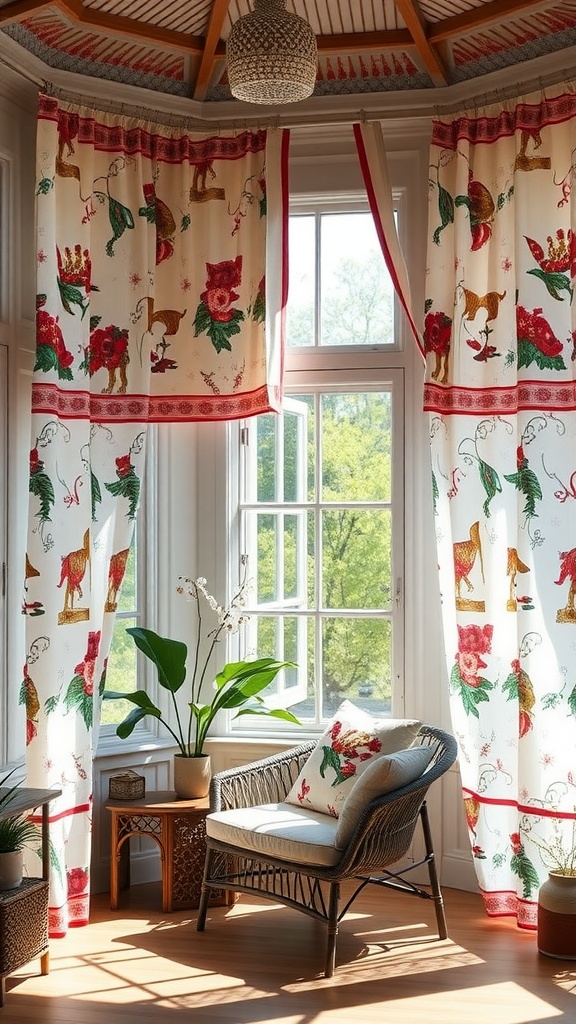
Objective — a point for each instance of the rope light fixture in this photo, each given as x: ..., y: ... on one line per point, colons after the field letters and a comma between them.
x: 271, y: 55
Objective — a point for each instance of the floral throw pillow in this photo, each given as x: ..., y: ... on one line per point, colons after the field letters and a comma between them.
x: 351, y: 742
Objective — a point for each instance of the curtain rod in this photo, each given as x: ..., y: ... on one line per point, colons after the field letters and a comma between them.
x: 511, y: 92
x: 175, y: 119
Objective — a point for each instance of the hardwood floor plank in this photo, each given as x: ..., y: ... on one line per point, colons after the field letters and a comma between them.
x: 259, y: 963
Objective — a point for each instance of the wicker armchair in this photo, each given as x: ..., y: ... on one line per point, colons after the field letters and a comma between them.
x: 382, y: 836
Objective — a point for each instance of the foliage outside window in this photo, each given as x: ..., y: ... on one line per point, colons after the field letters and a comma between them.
x: 320, y: 504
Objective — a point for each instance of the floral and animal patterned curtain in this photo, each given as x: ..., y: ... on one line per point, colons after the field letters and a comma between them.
x: 374, y: 167
x: 161, y: 285
x: 500, y: 344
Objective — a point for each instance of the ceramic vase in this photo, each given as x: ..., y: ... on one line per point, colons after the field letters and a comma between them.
x: 557, y: 916
x: 192, y: 776
x: 11, y: 869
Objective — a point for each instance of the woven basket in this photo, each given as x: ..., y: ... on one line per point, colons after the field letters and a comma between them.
x: 127, y: 786
x: 23, y: 924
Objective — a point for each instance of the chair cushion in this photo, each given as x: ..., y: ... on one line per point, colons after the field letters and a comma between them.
x: 387, y: 773
x: 278, y: 830
x: 351, y: 741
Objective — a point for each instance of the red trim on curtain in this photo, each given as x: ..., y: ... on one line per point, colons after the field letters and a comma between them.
x: 380, y: 232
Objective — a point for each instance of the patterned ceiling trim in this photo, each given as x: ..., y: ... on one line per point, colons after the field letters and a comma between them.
x: 356, y: 74
x: 63, y: 46
x: 514, y: 43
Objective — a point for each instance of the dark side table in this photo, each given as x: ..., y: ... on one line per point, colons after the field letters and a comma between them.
x: 179, y: 829
x: 24, y: 910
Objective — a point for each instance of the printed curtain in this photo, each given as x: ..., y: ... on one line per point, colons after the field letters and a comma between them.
x: 374, y: 167
x: 161, y: 285
x: 500, y: 388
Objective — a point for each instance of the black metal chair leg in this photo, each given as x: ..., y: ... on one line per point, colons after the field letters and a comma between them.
x: 433, y: 874
x: 204, y: 894
x: 332, y: 929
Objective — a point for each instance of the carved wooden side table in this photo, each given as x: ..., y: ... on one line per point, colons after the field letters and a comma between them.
x: 179, y: 829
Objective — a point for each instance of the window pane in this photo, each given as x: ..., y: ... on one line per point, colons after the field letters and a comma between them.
x: 281, y: 550
x: 121, y: 673
x: 356, y: 446
x: 127, y: 596
x: 357, y: 664
x: 356, y: 292
x: 300, y: 327
x: 266, y: 457
x: 356, y: 568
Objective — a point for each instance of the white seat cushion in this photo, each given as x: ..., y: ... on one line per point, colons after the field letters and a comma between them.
x: 351, y: 741
x: 278, y: 830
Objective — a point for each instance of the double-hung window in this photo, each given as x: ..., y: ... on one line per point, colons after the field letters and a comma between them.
x: 318, y: 519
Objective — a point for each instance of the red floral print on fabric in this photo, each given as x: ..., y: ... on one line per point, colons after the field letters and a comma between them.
x: 215, y: 314
x: 51, y: 352
x: 74, y: 276
x: 537, y: 342
x: 561, y: 257
x: 473, y: 641
x: 107, y: 348
x: 80, y: 692
x: 345, y: 748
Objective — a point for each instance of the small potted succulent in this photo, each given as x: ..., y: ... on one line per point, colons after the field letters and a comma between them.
x: 16, y: 833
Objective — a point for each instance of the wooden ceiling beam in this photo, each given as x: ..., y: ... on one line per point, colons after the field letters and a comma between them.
x: 22, y: 9
x: 114, y: 24
x: 420, y: 34
x: 213, y: 33
x: 481, y: 17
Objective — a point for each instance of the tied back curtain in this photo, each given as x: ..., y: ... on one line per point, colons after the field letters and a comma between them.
x: 156, y: 302
x: 500, y: 344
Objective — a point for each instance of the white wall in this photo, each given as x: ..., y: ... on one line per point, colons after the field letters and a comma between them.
x: 317, y: 158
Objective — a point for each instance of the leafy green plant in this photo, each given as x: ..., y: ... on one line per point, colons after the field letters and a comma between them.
x: 237, y: 686
x: 17, y: 831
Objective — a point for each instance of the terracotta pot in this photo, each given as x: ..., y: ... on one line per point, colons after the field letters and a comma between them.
x: 192, y: 776
x: 557, y: 916
x: 11, y: 869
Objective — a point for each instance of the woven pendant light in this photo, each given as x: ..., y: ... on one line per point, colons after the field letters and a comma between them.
x: 271, y: 55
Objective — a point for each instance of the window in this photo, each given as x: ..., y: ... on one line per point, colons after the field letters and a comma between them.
x: 320, y: 497
x: 340, y: 292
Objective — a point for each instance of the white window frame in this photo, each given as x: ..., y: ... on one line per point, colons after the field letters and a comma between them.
x: 323, y: 367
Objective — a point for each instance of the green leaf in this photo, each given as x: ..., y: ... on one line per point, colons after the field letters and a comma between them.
x: 446, y: 211
x: 529, y: 353
x: 202, y: 320
x: 572, y: 702
x: 169, y: 656
x: 46, y: 358
x: 527, y: 482
x: 554, y: 282
x: 71, y: 296
x: 330, y: 759
x: 491, y: 483
x: 149, y: 212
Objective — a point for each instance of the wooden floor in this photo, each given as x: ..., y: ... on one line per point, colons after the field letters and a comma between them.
x: 259, y: 963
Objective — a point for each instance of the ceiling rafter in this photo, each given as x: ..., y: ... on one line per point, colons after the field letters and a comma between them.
x: 214, y: 31
x: 480, y: 17
x: 115, y: 24
x: 418, y: 30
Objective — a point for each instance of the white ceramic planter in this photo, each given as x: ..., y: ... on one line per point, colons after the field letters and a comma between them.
x: 192, y: 776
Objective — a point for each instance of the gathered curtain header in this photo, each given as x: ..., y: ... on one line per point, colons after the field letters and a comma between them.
x: 161, y: 271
